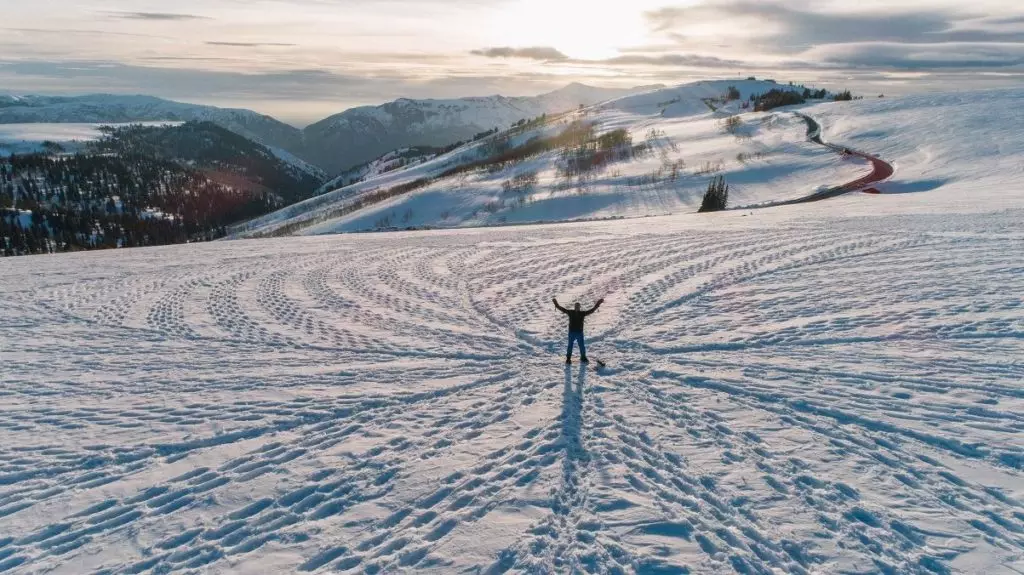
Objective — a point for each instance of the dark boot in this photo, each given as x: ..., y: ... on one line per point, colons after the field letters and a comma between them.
x: 568, y: 360
x: 584, y: 359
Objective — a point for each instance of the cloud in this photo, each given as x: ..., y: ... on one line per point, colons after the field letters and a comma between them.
x: 676, y: 60
x: 541, y: 53
x: 157, y: 16
x: 898, y: 56
x: 248, y: 44
x: 180, y: 82
x: 66, y: 31
x: 548, y: 54
x: 996, y: 26
x: 299, y: 95
x: 789, y: 30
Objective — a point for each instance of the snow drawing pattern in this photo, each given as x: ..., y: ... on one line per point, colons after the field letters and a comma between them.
x: 821, y: 397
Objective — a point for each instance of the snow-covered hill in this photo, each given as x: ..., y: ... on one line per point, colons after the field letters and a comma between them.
x: 788, y: 391
x: 108, y: 108
x: 685, y: 142
x: 963, y: 149
x: 950, y: 145
x: 297, y: 164
x: 362, y: 134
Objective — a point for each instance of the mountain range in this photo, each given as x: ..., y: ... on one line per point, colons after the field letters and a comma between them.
x: 334, y: 144
x: 109, y: 108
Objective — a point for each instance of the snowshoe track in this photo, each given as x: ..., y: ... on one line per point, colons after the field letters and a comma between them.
x: 805, y: 399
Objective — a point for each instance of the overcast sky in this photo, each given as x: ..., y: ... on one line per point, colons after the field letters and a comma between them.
x: 301, y: 60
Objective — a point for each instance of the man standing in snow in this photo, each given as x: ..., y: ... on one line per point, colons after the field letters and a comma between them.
x: 576, y: 317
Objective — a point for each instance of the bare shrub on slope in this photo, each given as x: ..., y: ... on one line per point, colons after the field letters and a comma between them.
x: 708, y: 167
x: 732, y: 124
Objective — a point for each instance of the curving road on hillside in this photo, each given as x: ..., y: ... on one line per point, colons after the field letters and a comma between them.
x: 880, y: 170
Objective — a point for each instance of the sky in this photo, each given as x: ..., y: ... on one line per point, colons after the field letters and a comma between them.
x: 301, y: 60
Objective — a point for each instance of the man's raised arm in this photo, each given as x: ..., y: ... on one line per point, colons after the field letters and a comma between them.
x: 560, y: 308
x: 593, y: 309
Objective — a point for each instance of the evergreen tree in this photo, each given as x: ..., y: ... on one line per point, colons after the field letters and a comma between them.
x: 716, y: 198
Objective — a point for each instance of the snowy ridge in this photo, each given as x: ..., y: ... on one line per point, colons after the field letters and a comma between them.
x: 108, y: 108
x: 337, y: 143
x: 767, y: 159
x: 480, y: 112
x: 362, y: 134
x: 393, y: 160
x: 396, y: 403
x: 297, y: 164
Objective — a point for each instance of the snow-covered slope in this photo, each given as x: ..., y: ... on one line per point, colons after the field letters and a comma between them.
x: 788, y: 391
x: 108, y: 108
x: 362, y: 134
x: 833, y: 387
x: 952, y: 146
x: 299, y: 165
x: 964, y: 149
x: 393, y: 160
x: 765, y: 158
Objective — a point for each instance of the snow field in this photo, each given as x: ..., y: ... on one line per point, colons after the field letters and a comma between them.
x: 793, y: 396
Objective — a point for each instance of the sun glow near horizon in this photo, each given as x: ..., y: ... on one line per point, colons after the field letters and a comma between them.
x: 304, y: 59
x: 580, y: 30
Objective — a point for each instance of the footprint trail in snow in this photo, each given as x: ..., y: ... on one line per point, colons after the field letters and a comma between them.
x: 817, y: 398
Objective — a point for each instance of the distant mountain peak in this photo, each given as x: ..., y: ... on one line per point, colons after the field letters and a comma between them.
x: 125, y: 108
x: 336, y: 143
x: 359, y: 135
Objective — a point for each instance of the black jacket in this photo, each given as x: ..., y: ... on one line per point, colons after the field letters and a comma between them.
x: 576, y: 317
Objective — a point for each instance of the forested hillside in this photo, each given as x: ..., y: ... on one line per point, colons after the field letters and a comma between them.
x: 215, y: 149
x: 142, y: 186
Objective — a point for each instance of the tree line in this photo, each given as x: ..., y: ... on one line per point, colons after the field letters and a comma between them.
x: 141, y: 186
x: 95, y: 201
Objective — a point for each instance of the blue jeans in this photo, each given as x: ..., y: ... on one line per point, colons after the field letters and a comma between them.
x: 576, y: 336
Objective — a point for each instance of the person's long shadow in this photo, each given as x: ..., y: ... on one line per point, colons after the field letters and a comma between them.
x: 572, y: 433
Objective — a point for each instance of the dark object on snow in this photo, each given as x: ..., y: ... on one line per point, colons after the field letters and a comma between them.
x: 716, y: 197
x: 577, y: 315
x: 576, y: 319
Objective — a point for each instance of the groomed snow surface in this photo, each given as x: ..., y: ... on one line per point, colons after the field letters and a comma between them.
x: 824, y: 388
x: 786, y: 393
